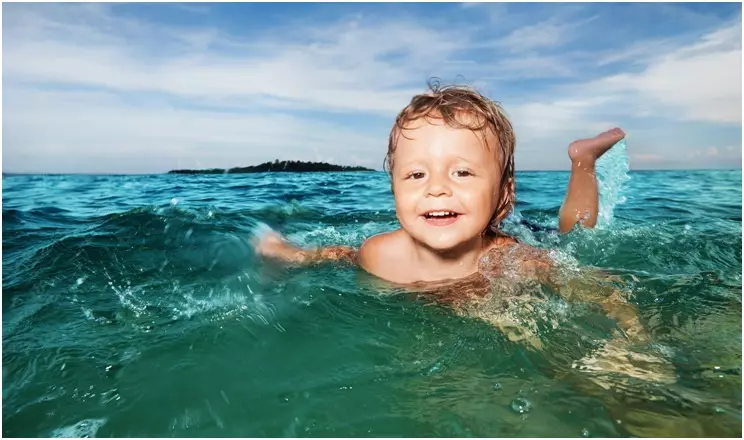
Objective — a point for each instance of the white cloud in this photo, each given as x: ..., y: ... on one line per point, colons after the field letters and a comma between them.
x: 87, y: 90
x: 697, y: 82
x: 339, y: 67
x: 102, y: 132
x: 550, y: 33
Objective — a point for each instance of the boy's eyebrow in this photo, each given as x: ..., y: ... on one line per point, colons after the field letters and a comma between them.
x: 410, y: 163
x: 470, y: 162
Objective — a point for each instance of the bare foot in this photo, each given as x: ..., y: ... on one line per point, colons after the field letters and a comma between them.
x: 587, y: 151
x: 615, y: 360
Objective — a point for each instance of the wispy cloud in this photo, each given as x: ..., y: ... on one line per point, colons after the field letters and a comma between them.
x: 95, y: 87
x: 340, y: 67
x: 699, y: 82
x: 551, y: 33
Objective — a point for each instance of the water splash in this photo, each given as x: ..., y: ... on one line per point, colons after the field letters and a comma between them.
x: 612, y: 173
x: 82, y: 429
x: 261, y: 230
x: 521, y: 405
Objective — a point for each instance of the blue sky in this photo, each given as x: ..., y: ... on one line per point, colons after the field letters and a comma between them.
x: 145, y: 88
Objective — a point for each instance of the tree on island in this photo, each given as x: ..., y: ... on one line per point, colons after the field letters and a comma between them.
x: 292, y: 166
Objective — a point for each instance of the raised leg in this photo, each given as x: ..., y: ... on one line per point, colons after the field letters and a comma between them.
x: 582, y: 197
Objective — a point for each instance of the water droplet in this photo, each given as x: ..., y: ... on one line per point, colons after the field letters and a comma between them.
x: 174, y: 201
x: 436, y: 368
x: 521, y: 405
x: 585, y: 432
x: 497, y: 387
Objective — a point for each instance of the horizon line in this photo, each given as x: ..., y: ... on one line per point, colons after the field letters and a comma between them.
x: 166, y: 173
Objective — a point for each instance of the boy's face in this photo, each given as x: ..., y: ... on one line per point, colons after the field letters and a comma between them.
x: 446, y: 183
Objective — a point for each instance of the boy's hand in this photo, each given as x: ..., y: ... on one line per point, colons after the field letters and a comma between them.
x: 273, y: 245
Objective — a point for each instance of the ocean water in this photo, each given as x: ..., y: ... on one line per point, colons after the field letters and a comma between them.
x: 135, y: 306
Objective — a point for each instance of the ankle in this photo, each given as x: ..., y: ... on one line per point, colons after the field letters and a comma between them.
x: 583, y: 162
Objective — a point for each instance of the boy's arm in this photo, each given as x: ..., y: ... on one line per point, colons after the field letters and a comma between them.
x: 590, y: 286
x: 274, y: 246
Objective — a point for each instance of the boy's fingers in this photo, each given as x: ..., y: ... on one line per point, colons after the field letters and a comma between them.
x: 267, y: 243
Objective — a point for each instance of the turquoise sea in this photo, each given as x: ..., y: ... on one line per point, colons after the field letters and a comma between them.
x: 135, y: 306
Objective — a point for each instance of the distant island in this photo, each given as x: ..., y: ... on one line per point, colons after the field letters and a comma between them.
x: 290, y: 166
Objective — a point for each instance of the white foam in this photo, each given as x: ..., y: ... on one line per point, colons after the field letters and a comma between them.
x: 82, y: 429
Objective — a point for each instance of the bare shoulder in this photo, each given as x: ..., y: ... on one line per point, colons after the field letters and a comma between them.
x: 506, y: 250
x: 381, y: 254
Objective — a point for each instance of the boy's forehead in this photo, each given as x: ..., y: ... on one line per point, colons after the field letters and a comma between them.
x: 481, y: 133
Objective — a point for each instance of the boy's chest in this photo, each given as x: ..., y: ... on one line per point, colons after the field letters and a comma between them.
x: 497, y: 282
x: 497, y: 264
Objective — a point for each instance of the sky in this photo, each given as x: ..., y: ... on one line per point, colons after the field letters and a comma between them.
x: 147, y: 88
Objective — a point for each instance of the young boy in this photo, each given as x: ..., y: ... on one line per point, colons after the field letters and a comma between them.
x: 451, y: 161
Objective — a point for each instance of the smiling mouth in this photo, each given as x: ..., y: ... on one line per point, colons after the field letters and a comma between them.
x: 440, y: 214
x: 440, y: 218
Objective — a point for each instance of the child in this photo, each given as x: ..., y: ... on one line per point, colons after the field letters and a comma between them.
x: 451, y: 162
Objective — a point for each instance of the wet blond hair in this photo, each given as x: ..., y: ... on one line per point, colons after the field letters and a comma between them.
x: 450, y: 104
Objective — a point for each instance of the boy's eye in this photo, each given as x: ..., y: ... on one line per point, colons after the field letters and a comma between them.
x: 416, y: 175
x: 463, y: 173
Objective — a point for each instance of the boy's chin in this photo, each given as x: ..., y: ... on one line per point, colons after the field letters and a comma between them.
x: 446, y: 240
x: 446, y: 244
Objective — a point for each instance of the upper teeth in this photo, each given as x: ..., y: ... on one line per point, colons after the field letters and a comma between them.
x: 441, y: 213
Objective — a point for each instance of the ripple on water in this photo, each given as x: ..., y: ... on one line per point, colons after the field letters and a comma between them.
x: 166, y: 305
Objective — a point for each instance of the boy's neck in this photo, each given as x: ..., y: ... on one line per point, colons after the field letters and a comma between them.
x: 454, y: 263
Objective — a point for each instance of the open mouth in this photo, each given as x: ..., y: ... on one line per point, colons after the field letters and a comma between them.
x: 441, y: 214
x: 440, y: 218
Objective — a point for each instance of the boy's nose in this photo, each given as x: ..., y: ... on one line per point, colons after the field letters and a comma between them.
x: 438, y: 187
